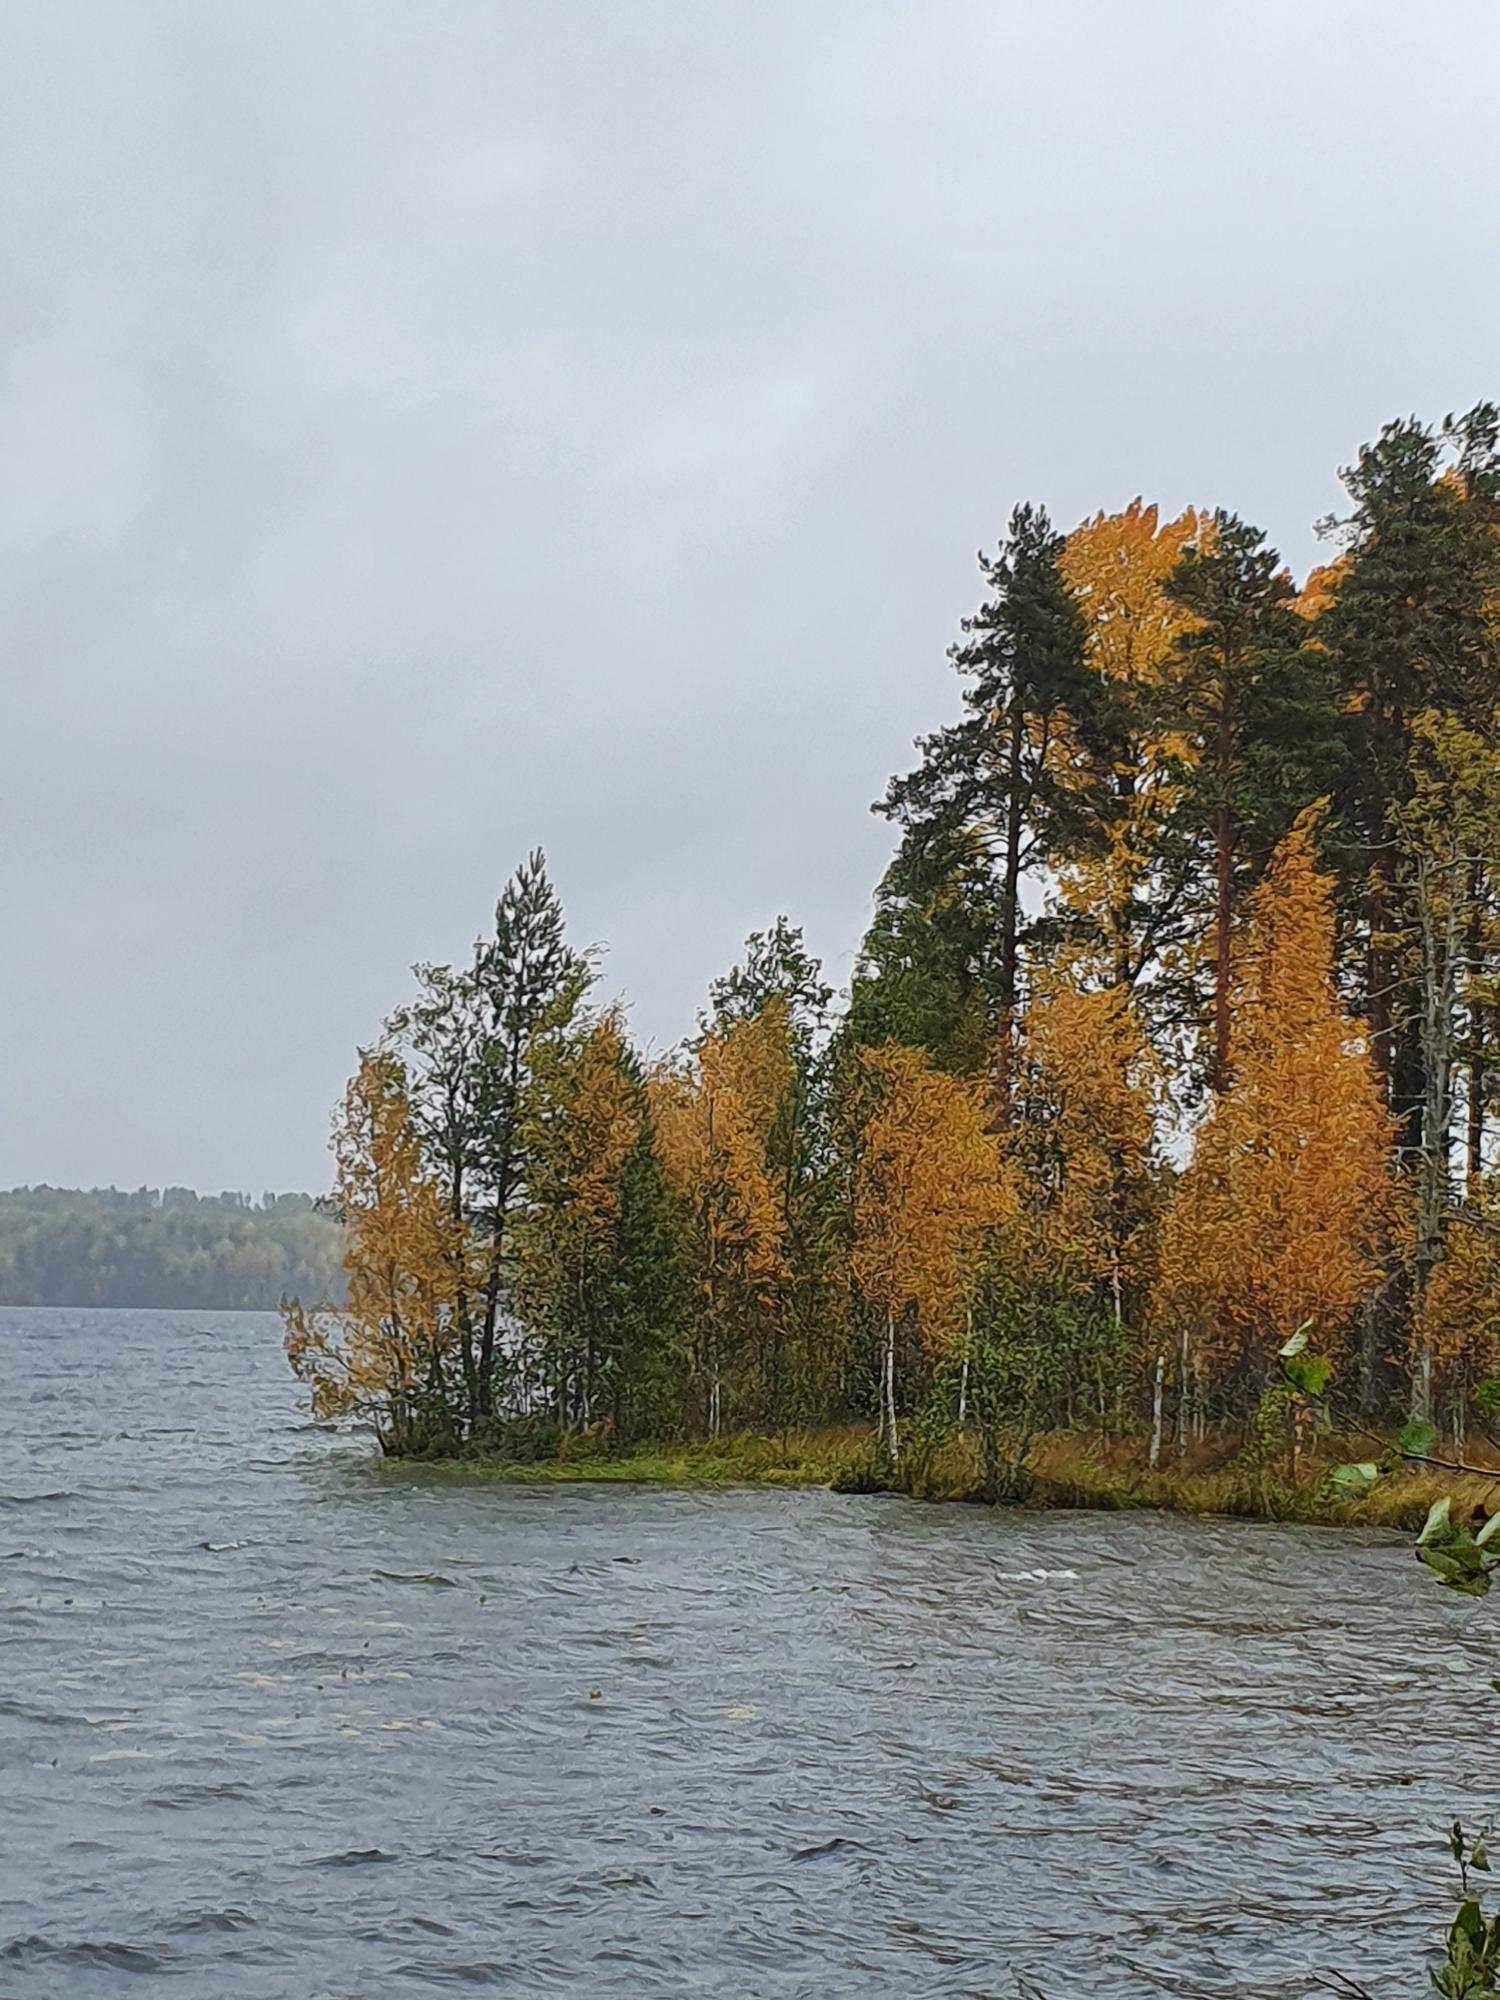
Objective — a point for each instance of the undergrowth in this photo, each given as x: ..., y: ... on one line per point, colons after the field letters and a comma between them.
x: 1063, y: 1469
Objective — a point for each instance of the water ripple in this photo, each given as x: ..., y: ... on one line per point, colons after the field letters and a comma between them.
x: 278, y: 1721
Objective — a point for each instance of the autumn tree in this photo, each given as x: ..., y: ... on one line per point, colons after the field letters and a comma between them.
x: 779, y: 976
x: 1252, y: 705
x: 388, y: 1354
x: 1278, y: 1217
x: 714, y: 1116
x: 441, y: 1038
x: 1123, y: 907
x: 1456, y: 1324
x: 581, y: 1123
x: 928, y: 1183
x: 1087, y: 1143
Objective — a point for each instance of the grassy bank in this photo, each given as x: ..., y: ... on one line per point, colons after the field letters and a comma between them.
x: 1063, y: 1470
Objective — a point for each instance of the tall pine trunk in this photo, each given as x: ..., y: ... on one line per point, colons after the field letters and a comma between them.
x: 1223, y: 891
x: 1010, y: 917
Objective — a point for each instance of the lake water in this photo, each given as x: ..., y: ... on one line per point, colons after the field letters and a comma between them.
x: 277, y: 1723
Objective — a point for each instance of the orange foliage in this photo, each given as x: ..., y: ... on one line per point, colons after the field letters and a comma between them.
x: 1117, y: 566
x: 1458, y: 1320
x: 929, y: 1181
x: 582, y: 1125
x: 713, y: 1124
x: 1321, y: 587
x: 1088, y: 1140
x: 388, y: 1353
x: 1279, y: 1216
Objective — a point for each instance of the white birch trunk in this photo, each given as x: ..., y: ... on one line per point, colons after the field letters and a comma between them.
x: 892, y: 1443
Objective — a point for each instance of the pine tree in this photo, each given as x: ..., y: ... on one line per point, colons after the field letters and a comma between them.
x: 927, y: 970
x: 997, y: 773
x: 1447, y: 838
x: 651, y: 1299
x: 781, y: 976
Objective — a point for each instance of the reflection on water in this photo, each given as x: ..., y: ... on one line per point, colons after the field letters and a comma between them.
x: 277, y: 1723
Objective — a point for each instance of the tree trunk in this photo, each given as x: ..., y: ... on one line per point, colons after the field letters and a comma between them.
x: 888, y: 1415
x: 1478, y: 1080
x: 461, y: 1309
x: 1153, y: 1457
x: 1440, y: 930
x: 1010, y: 919
x: 1223, y: 898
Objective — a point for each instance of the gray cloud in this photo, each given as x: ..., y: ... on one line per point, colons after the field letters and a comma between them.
x: 427, y: 430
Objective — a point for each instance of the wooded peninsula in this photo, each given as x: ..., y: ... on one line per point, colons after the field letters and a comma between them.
x: 1155, y: 1131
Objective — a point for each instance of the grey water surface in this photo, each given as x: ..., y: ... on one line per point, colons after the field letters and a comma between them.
x: 277, y: 1723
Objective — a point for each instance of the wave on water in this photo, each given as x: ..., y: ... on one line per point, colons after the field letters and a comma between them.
x: 37, y: 1499
x: 109, y: 1954
x: 433, y: 1578
x: 184, y: 1797
x: 212, y: 1920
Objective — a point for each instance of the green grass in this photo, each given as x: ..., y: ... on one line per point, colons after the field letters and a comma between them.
x: 790, y: 1458
x: 1066, y: 1469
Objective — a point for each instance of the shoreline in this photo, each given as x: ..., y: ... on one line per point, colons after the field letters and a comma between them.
x: 1064, y: 1471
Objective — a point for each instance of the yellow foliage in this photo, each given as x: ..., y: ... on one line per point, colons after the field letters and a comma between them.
x: 582, y: 1124
x: 714, y: 1121
x: 1458, y: 1320
x: 387, y: 1353
x: 1117, y: 566
x: 1322, y: 587
x: 1088, y: 1140
x: 1279, y: 1216
x: 929, y: 1181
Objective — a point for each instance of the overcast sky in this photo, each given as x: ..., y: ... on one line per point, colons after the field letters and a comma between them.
x: 429, y: 430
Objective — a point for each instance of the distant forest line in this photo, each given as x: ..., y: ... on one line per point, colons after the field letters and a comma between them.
x: 165, y: 1247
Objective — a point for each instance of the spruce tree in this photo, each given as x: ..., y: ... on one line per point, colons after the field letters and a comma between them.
x: 527, y: 975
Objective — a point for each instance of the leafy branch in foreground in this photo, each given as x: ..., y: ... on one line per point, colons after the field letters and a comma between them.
x: 1463, y: 1556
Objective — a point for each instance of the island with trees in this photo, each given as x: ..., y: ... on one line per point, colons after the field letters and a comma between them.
x: 1153, y: 1140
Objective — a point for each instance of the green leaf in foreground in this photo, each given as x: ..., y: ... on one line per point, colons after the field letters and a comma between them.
x: 1309, y: 1373
x: 1455, y: 1556
x: 1416, y: 1440
x: 1353, y: 1482
x: 1297, y: 1342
